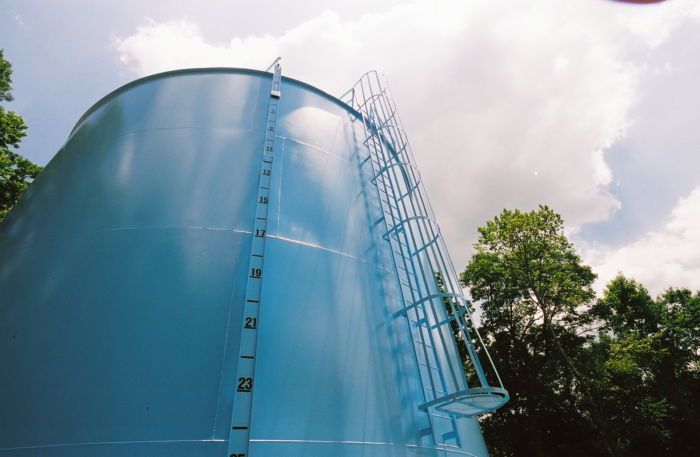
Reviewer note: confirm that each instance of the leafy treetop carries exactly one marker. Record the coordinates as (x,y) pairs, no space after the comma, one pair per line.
(16,172)
(5,79)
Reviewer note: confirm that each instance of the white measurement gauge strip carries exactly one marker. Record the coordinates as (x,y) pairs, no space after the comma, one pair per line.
(245,377)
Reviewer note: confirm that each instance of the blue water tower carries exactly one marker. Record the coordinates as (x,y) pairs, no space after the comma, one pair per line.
(225,262)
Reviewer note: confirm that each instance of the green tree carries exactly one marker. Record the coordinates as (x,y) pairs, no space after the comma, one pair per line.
(5,78)
(649,367)
(534,290)
(681,336)
(630,388)
(16,172)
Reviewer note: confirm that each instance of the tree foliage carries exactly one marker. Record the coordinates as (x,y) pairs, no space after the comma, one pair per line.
(5,78)
(650,375)
(16,172)
(611,376)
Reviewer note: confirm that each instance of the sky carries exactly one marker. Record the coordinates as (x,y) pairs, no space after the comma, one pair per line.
(591,107)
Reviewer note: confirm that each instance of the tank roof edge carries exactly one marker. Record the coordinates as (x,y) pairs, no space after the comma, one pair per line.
(148,78)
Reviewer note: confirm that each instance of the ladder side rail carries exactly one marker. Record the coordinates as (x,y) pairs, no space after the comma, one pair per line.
(423,322)
(394,152)
(405,257)
(450,266)
(401,148)
(384,188)
(450,283)
(398,144)
(420,316)
(423,240)
(422,207)
(463,325)
(420,211)
(391,178)
(428,283)
(449,274)
(389,191)
(398,120)
(476,330)
(456,311)
(410,156)
(442,261)
(366,88)
(447,268)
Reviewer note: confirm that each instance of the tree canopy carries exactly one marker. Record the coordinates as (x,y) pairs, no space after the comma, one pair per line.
(611,376)
(16,172)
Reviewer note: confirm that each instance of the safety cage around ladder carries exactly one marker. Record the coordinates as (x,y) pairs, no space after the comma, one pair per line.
(437,312)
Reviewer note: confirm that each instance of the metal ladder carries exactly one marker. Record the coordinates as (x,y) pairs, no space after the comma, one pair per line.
(245,374)
(429,284)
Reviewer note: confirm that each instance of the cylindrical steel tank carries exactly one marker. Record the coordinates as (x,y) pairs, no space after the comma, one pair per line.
(123,273)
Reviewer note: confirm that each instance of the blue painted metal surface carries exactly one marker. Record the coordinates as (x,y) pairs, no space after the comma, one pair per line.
(123,275)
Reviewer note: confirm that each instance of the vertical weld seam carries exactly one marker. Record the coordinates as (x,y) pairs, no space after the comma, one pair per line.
(228,325)
(255,105)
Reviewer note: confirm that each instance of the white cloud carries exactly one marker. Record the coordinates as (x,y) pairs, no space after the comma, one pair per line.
(659,21)
(178,44)
(669,257)
(488,91)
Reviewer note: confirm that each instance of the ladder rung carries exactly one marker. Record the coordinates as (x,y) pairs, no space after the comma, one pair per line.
(449,435)
(437,391)
(430,366)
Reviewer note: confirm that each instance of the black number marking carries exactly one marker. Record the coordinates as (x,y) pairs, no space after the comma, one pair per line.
(263,200)
(237,455)
(271,128)
(245,384)
(273,111)
(266,172)
(259,233)
(251,322)
(268,148)
(255,272)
